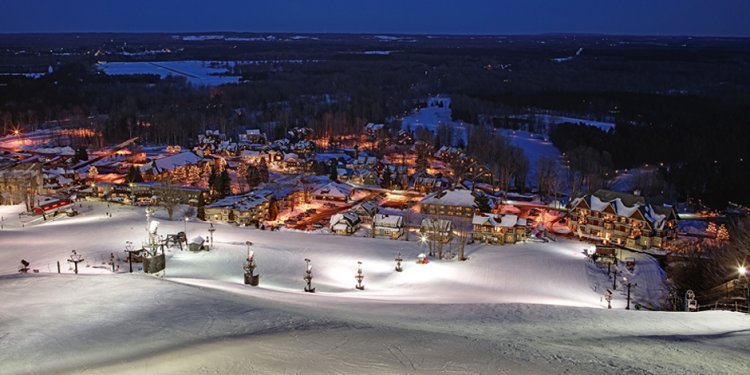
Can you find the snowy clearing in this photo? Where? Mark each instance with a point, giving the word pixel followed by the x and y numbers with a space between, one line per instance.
pixel 201 73
pixel 534 148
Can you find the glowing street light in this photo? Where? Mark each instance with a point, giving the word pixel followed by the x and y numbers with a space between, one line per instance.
pixel 742 271
pixel 359 277
pixel 211 231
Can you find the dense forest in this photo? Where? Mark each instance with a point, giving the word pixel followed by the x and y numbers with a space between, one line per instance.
pixel 680 103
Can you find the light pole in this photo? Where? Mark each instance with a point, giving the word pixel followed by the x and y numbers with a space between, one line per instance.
pixel 249 267
pixel 185 231
pixel 398 260
pixel 629 284
pixel 308 276
pixel 211 231
pixel 130 251
pixel 359 277
pixel 614 280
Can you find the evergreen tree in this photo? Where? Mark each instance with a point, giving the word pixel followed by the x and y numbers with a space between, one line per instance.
pixel 334 172
pixel 320 169
pixel 81 154
pixel 483 203
pixel 253 176
pixel 212 181
pixel 134 174
pixel 201 207
pixel 263 170
pixel 225 184
pixel 385 178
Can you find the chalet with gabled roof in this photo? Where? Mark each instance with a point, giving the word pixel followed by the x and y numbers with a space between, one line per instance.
pixel 391 226
pixel 333 191
pixel 624 219
pixel 498 229
pixel 344 223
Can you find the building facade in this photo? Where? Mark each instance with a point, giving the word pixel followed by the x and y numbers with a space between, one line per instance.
pixel 504 229
pixel 454 202
pixel 623 219
pixel 391 226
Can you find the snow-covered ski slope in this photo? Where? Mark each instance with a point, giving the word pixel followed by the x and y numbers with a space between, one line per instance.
pixel 523 309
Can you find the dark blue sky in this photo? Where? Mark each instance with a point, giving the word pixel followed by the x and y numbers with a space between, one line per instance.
pixel 645 17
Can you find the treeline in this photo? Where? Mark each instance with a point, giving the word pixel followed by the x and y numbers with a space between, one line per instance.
pixel 333 98
pixel 704 159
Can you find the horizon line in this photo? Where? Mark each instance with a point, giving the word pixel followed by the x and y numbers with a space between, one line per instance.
pixel 425 34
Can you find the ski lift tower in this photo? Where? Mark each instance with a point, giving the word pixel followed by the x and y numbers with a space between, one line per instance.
pixel 75 258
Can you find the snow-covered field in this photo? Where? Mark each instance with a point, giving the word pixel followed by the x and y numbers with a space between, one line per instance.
pixel 527 308
pixel 534 148
pixel 437 112
pixel 202 73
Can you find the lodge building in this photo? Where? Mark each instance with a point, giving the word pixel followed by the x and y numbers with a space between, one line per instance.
pixel 623 219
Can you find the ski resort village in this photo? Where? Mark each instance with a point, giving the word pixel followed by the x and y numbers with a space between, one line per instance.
pixel 370 252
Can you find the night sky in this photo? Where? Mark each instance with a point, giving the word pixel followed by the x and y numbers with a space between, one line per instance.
pixel 642 17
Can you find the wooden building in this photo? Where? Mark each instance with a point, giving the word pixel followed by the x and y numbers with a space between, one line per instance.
pixel 624 219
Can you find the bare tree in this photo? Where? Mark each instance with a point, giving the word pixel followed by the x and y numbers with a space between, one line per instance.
pixel 462 231
pixel 546 174
pixel 436 233
pixel 169 196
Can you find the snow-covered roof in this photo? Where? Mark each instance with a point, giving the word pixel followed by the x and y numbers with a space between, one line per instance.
pixel 656 219
pixel 171 162
pixel 243 202
pixel 454 197
pixel 334 189
pixel 626 205
pixel 348 218
pixel 597 204
pixel 290 156
pixel 624 210
pixel 388 220
pixel 65 151
pixel 482 219
pixel 368 206
pixel 506 221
